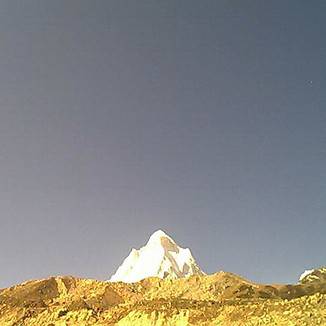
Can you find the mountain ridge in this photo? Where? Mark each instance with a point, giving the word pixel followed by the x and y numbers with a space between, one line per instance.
pixel 176 293
pixel 215 299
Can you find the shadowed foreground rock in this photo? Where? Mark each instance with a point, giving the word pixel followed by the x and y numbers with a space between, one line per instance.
pixel 218 299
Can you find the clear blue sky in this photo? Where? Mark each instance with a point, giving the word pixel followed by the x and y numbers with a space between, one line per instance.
pixel 206 119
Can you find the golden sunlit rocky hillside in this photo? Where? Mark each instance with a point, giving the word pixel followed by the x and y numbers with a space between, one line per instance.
pixel 218 299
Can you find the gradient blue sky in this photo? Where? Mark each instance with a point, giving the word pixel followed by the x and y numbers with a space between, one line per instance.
pixel 206 119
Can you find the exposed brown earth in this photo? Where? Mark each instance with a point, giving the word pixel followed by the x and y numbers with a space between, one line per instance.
pixel 218 299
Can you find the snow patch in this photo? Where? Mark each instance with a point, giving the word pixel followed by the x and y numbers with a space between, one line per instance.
pixel 305 273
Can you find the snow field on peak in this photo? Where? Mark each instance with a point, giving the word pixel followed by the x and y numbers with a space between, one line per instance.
pixel 160 257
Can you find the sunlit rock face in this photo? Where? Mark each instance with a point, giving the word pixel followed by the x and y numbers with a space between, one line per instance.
pixel 200 300
pixel 160 257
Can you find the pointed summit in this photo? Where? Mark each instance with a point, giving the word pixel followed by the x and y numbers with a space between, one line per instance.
pixel 159 234
pixel 158 238
pixel 160 257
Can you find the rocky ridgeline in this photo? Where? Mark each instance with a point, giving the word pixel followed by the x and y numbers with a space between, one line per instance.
pixel 218 299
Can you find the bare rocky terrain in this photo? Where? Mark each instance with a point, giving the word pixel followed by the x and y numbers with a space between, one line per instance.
pixel 218 299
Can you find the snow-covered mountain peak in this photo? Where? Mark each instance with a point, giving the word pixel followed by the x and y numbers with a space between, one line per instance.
pixel 157 237
pixel 313 276
pixel 160 257
pixel 305 273
pixel 161 241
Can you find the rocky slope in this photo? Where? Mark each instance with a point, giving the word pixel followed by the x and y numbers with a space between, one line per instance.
pixel 205 300
pixel 160 257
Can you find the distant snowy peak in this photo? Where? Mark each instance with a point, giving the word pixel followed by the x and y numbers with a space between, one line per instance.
pixel 160 257
pixel 313 276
